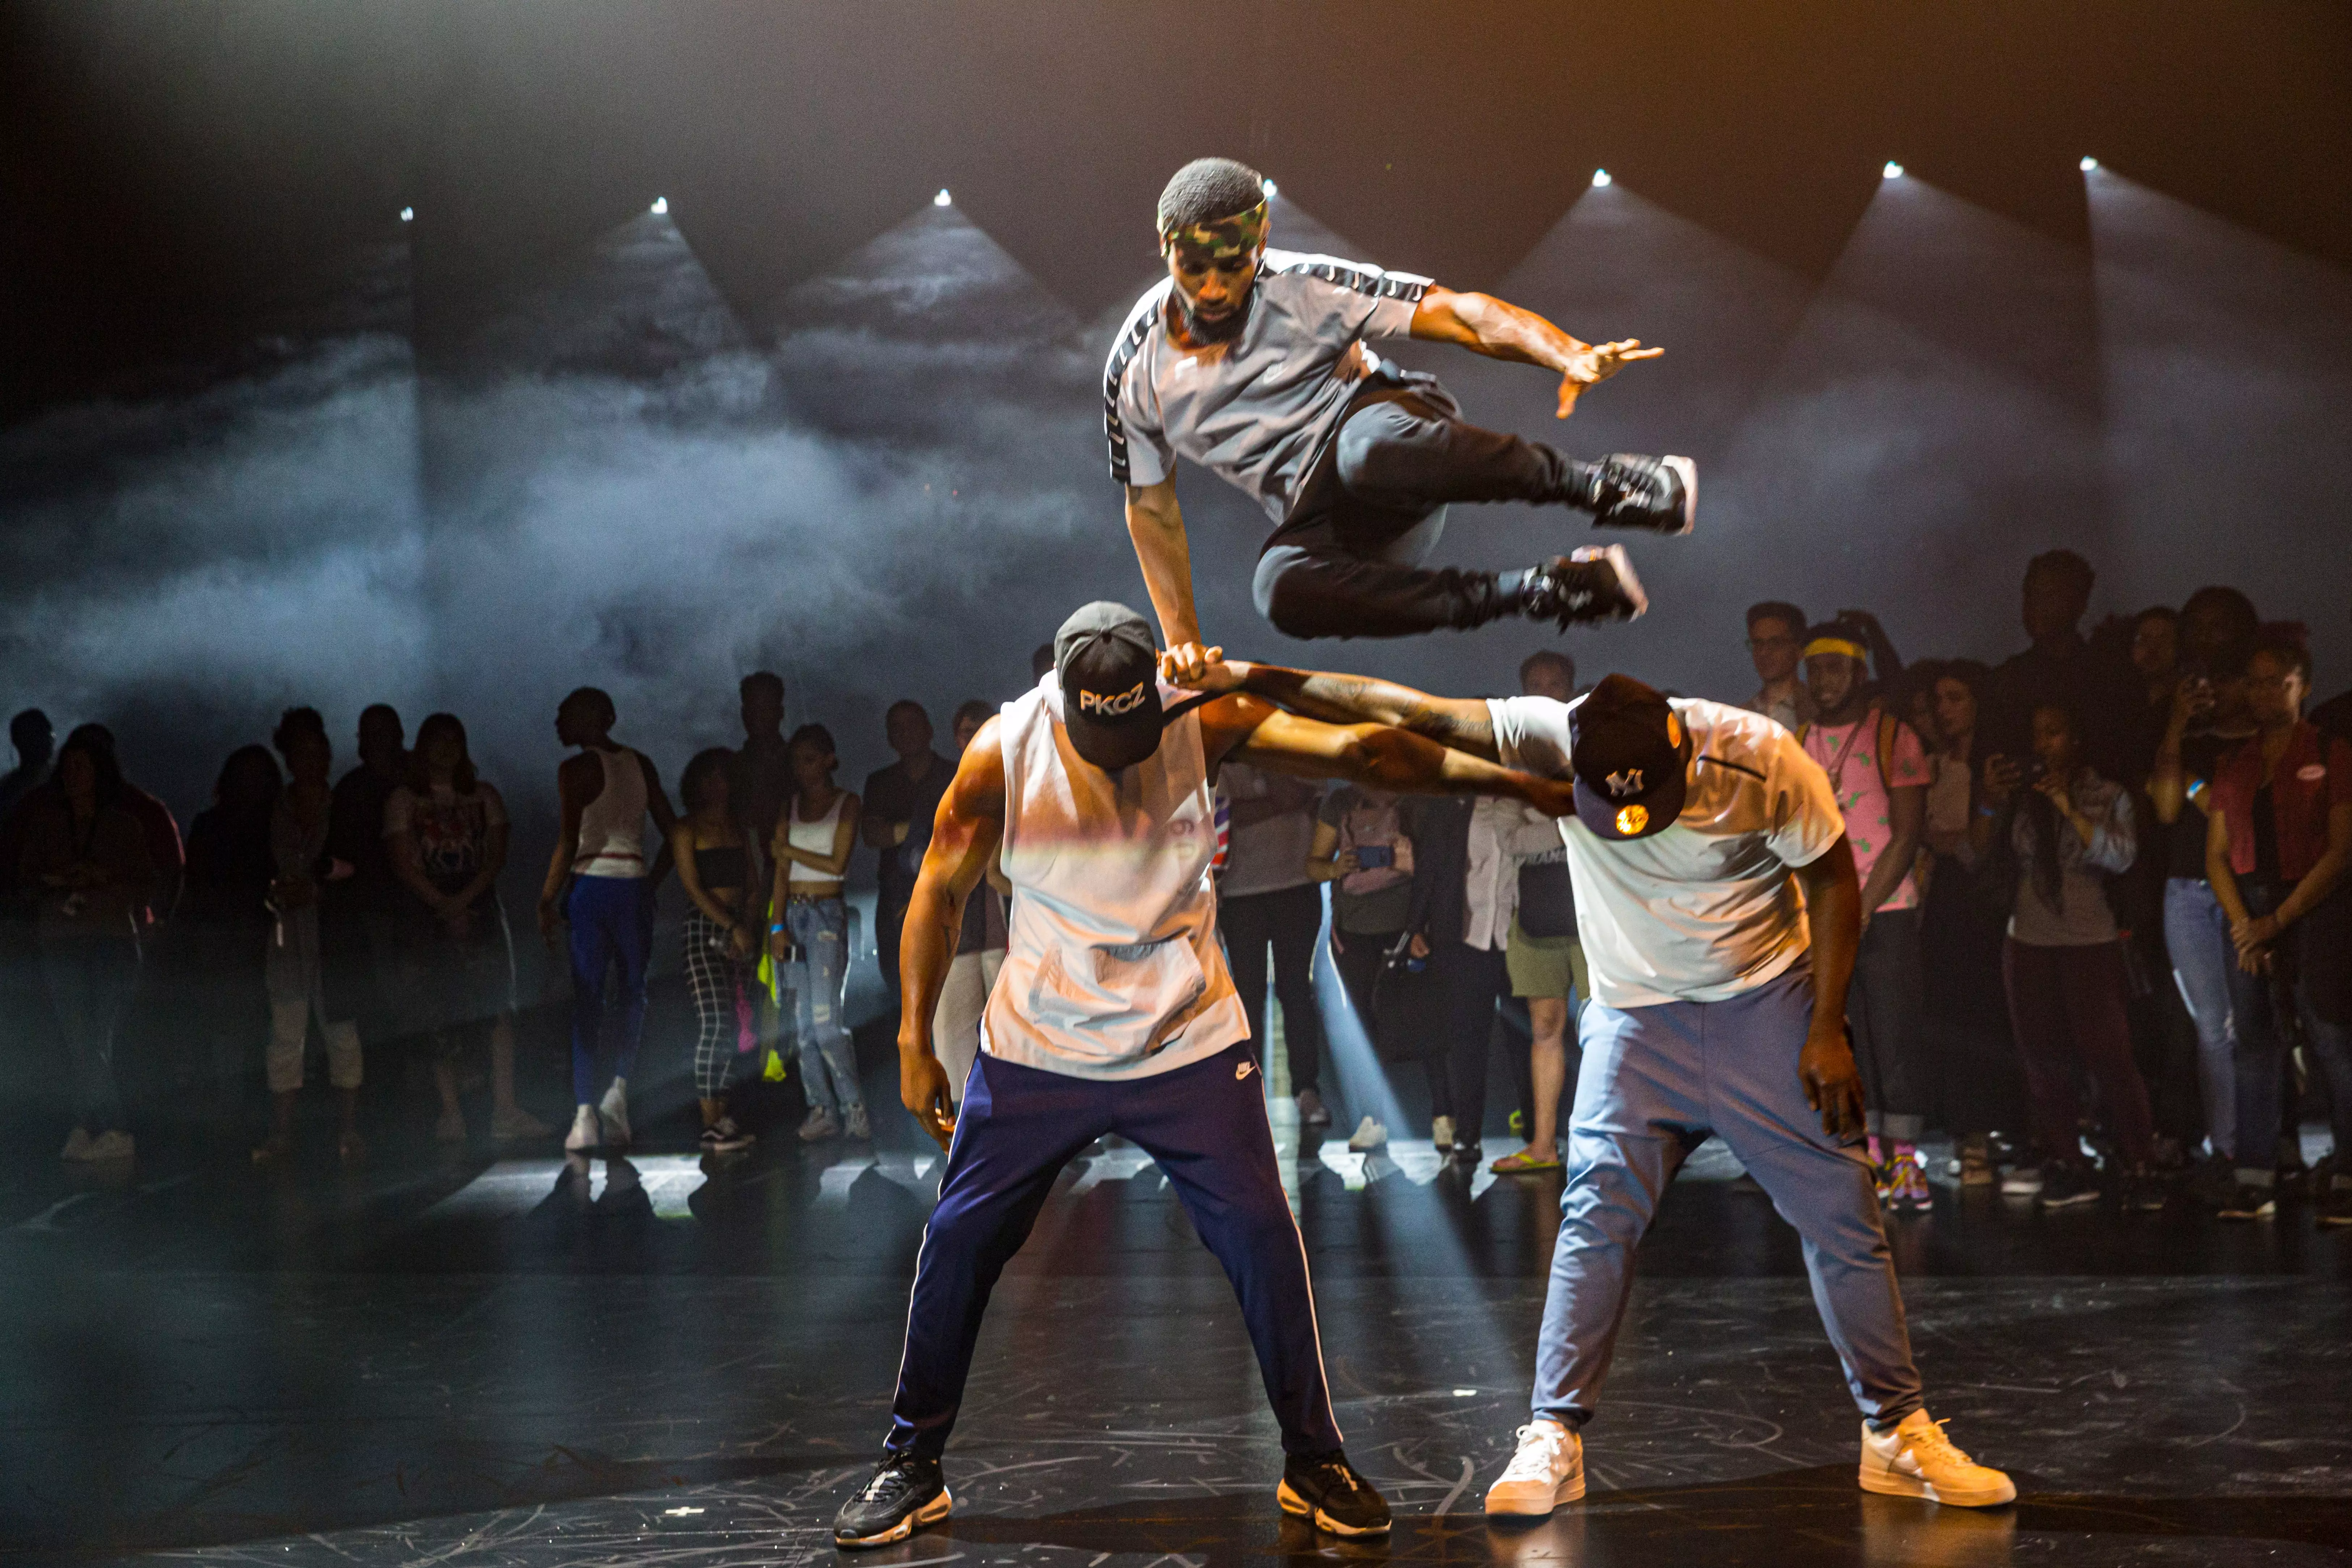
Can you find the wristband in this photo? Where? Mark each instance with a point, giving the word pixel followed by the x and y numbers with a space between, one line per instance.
pixel 775 930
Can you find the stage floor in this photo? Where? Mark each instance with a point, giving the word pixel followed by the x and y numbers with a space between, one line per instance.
pixel 456 1360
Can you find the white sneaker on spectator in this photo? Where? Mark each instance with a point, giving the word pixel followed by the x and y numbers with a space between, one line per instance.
pixel 1441 1132
pixel 514 1124
pixel 1368 1136
pixel 614 1114
pixel 77 1147
pixel 584 1133
pixel 819 1126
pixel 450 1128
pixel 2022 1181
pixel 112 1144
pixel 860 1126
pixel 1917 1461
pixel 1547 1470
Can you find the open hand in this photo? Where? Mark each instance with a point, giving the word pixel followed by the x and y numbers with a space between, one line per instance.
pixel 923 1090
pixel 1594 364
pixel 1832 1083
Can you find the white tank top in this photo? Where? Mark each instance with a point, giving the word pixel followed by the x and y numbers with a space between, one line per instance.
pixel 1112 967
pixel 613 825
pixel 816 837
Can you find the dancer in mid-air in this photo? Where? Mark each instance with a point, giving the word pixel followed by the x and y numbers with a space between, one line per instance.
pixel 1255 364
pixel 1718 909
pixel 1114 1014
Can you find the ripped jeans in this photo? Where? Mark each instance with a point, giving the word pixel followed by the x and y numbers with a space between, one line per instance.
pixel 820 930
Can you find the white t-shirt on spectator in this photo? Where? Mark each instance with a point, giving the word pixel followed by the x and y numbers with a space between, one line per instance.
pixel 1257 410
pixel 1704 909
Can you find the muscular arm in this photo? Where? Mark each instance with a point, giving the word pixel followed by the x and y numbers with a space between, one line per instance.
pixel 1907 815
pixel 965 834
pixel 1460 723
pixel 1485 325
pixel 1834 919
pixel 577 783
pixel 665 818
pixel 1155 524
pixel 1250 730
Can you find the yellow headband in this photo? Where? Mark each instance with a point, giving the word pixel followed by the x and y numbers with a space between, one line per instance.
pixel 1853 650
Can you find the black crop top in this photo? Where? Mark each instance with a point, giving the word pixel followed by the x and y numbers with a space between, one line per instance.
pixel 721 867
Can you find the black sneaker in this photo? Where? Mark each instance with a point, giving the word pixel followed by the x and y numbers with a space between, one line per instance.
pixel 2249 1200
pixel 1582 587
pixel 2334 1204
pixel 723 1137
pixel 2144 1191
pixel 1658 495
pixel 1326 1490
pixel 2064 1186
pixel 906 1493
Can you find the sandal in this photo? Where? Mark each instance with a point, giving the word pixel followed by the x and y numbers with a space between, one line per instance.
pixel 1524 1163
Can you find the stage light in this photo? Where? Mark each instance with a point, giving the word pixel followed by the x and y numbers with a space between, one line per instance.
pixel 661 206
pixel 408 215
pixel 1269 186
pixel 1893 170
pixel 2089 164
pixel 1600 178
pixel 942 199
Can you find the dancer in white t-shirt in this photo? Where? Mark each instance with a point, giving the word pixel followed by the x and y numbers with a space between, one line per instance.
pixel 1719 911
pixel 1255 364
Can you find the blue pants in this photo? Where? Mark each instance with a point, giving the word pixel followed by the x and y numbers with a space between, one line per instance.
pixel 1656 1083
pixel 1205 1124
pixel 90 979
pixel 2197 940
pixel 820 929
pixel 612 926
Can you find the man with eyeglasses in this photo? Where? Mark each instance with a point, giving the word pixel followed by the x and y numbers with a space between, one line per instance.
pixel 1776 642
pixel 1255 364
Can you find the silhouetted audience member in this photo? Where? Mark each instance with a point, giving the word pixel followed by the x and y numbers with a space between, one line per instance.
pixel 2060 666
pixel 1545 960
pixel 715 866
pixel 599 886
pixel 449 832
pixel 1464 894
pixel 899 802
pixel 85 860
pixel 34 742
pixel 759 782
pixel 2278 844
pixel 221 937
pixel 1267 903
pixel 2063 826
pixel 292 970
pixel 1362 846
pixel 365 927
pixel 24 1005
pixel 1962 924
pixel 811 847
pixel 1878 772
pixel 1776 644
pixel 1041 661
pixel 980 946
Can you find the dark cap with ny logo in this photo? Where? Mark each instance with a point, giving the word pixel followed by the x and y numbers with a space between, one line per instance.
pixel 1109 667
pixel 1630 755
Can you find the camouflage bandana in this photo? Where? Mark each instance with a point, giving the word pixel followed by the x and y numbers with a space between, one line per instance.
pixel 1220 240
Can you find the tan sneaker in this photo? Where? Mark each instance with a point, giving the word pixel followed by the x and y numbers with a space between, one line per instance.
pixel 1917 1461
pixel 1547 1470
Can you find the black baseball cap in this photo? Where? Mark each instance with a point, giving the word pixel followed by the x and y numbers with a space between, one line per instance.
pixel 1630 754
pixel 1109 667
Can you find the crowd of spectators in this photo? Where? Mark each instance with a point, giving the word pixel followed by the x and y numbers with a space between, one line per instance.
pixel 2106 949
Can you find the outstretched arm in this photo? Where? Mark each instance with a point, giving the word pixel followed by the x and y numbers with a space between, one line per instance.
pixel 1462 723
pixel 1483 324
pixel 965 834
pixel 1157 525
pixel 1251 730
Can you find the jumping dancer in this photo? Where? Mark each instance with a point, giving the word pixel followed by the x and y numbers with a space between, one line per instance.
pixel 1254 363
pixel 1114 1014
pixel 1720 911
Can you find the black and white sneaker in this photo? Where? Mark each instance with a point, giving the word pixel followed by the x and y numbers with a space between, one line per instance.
pixel 723 1137
pixel 1657 495
pixel 2066 1185
pixel 1583 587
pixel 906 1493
pixel 1326 1490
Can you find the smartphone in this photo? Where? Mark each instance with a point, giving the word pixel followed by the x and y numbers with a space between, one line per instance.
pixel 1374 856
